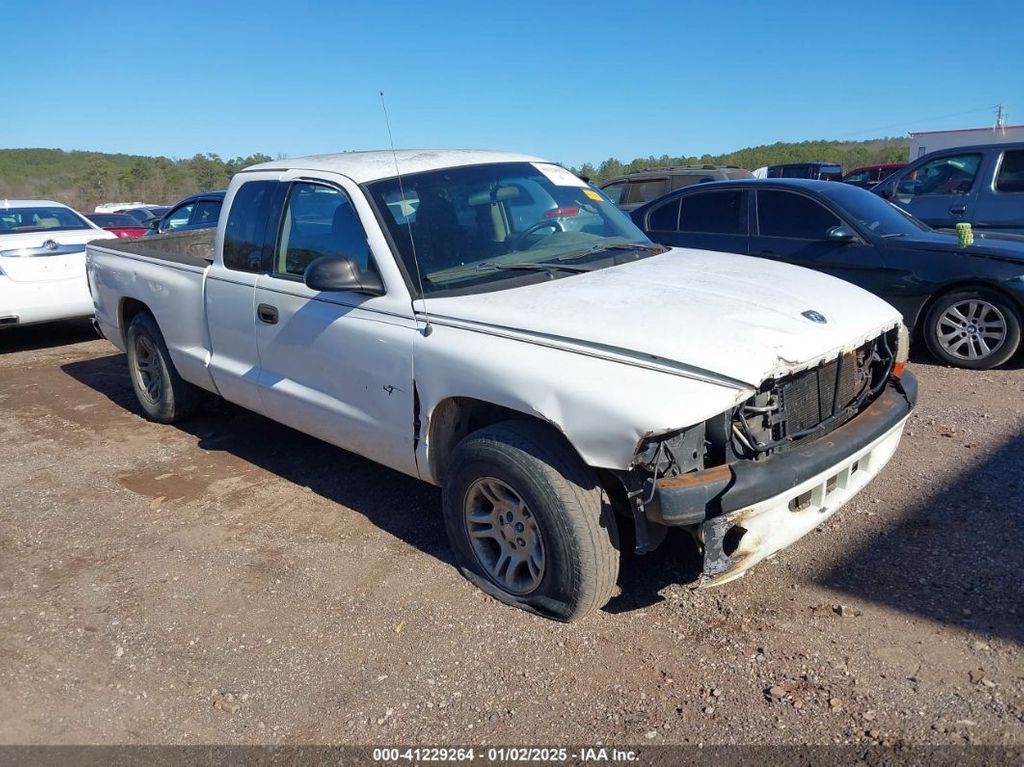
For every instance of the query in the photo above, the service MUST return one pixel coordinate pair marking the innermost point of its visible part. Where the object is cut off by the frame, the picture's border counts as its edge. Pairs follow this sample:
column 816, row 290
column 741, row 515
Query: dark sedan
column 197, row 211
column 966, row 302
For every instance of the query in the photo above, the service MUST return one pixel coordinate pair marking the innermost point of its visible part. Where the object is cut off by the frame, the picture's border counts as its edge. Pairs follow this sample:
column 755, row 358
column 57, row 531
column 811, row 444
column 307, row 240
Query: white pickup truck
column 494, row 325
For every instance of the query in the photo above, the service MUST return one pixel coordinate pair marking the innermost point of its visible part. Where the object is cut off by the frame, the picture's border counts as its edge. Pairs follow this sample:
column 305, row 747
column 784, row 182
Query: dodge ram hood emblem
column 814, row 316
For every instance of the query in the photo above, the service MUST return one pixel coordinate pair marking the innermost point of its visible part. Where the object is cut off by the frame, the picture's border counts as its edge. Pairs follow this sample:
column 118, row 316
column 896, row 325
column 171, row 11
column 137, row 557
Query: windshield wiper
column 651, row 248
column 533, row 266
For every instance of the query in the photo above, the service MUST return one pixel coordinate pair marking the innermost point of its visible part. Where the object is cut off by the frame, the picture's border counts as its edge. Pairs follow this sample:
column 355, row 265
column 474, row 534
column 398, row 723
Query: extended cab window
column 714, row 213
column 945, row 175
column 246, row 226
column 1011, row 173
column 785, row 214
column 319, row 221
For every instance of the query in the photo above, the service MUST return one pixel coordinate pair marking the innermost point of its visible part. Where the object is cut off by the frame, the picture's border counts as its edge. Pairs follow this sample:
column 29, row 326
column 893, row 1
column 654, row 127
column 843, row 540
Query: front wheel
column 529, row 523
column 977, row 329
column 164, row 395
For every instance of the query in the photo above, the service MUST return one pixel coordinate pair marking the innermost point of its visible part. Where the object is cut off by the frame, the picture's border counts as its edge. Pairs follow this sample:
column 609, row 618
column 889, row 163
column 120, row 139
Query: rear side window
column 1011, row 173
column 665, row 217
column 679, row 182
column 247, row 222
column 714, row 213
column 784, row 214
column 648, row 189
column 207, row 213
column 614, row 191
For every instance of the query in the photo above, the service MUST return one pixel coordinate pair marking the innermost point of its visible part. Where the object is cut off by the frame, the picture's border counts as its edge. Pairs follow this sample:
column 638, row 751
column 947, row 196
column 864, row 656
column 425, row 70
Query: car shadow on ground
column 46, row 335
column 399, row 505
column 957, row 557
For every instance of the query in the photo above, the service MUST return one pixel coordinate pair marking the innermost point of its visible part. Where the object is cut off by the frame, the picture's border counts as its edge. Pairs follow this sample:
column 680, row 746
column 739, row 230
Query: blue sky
column 573, row 82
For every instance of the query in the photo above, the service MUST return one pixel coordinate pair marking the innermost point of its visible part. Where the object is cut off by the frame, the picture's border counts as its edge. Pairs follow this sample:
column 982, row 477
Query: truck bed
column 193, row 248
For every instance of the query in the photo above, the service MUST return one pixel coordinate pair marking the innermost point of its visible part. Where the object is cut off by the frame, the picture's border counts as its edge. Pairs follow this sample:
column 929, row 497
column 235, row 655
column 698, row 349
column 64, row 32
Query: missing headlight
column 669, row 455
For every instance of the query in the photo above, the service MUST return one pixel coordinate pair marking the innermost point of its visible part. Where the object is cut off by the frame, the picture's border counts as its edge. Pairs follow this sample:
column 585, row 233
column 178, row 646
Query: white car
column 492, row 324
column 42, row 262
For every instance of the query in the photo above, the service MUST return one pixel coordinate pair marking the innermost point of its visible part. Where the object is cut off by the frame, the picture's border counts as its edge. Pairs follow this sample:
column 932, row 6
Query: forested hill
column 84, row 179
column 849, row 154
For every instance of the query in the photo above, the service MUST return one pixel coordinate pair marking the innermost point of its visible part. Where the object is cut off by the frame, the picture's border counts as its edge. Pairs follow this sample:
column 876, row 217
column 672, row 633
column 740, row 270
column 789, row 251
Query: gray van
column 983, row 185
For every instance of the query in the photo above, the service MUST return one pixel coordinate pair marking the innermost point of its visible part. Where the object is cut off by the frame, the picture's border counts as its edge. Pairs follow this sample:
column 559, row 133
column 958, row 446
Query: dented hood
column 697, row 312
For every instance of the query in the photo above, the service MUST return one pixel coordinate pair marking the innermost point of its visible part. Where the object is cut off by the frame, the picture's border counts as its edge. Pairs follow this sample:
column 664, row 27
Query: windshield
column 468, row 225
column 873, row 213
column 42, row 219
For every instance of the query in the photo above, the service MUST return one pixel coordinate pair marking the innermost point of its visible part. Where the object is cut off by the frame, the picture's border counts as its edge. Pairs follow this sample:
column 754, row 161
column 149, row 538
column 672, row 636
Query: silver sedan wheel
column 504, row 535
column 971, row 330
column 149, row 370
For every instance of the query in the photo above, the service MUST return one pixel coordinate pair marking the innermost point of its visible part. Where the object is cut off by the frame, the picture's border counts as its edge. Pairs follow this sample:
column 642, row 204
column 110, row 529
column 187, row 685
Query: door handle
column 957, row 210
column 267, row 313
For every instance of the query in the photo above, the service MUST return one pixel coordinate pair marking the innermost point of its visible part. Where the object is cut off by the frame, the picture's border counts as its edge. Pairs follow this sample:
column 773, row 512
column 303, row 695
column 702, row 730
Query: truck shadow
column 399, row 505
column 957, row 556
column 46, row 335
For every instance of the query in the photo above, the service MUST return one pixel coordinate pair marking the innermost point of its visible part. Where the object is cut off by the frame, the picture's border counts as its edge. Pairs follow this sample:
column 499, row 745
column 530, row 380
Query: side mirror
column 336, row 273
column 840, row 235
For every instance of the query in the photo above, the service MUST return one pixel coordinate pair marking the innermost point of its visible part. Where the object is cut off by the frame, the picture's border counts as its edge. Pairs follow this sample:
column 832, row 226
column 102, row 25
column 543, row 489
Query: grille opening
column 801, row 502
column 855, row 468
column 732, row 539
column 831, row 484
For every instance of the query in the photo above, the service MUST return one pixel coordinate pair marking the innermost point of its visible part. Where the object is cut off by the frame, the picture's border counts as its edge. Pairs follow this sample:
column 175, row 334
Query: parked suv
column 634, row 189
column 823, row 171
column 983, row 185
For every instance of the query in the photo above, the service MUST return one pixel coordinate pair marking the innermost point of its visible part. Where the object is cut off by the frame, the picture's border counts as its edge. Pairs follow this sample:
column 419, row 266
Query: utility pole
column 1000, row 118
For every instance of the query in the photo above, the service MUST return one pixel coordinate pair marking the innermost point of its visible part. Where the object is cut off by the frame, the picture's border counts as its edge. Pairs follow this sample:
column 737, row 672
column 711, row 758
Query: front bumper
column 749, row 510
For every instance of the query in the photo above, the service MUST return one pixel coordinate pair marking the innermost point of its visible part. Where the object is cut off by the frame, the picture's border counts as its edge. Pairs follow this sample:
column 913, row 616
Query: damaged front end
column 756, row 478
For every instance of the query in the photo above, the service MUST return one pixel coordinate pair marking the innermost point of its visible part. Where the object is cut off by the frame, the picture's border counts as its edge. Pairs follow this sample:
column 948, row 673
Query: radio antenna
column 427, row 329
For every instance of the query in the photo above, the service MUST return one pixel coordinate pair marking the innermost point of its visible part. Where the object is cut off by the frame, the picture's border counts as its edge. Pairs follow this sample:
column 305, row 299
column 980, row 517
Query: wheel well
column 129, row 308
column 957, row 286
column 456, row 417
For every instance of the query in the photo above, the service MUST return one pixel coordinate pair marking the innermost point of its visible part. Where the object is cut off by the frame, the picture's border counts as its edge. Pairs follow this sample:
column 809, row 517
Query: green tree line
column 849, row 154
column 85, row 179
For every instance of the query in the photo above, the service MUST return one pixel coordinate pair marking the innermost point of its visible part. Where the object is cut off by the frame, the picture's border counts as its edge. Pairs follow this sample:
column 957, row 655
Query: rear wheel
column 977, row 329
column 164, row 395
column 529, row 523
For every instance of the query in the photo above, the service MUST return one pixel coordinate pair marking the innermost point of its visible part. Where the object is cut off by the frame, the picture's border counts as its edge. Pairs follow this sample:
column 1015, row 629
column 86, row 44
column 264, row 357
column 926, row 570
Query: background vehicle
column 635, row 189
column 118, row 223
column 965, row 302
column 146, row 215
column 983, row 185
column 197, row 211
column 552, row 384
column 825, row 171
column 42, row 262
column 866, row 176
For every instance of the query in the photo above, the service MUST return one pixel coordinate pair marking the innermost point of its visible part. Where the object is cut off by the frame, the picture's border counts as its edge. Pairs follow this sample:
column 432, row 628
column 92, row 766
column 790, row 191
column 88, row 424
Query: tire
column 164, row 395
column 562, row 528
column 976, row 329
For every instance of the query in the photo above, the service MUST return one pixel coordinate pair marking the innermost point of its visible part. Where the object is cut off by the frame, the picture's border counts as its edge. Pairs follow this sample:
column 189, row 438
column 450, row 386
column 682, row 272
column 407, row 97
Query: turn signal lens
column 902, row 351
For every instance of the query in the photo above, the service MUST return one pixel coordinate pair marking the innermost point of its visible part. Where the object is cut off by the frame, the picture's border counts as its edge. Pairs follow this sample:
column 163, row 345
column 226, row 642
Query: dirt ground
column 233, row 581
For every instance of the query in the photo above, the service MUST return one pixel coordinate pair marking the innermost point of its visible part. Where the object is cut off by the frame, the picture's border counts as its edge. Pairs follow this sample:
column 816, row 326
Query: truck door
column 1000, row 205
column 230, row 292
column 941, row 191
column 337, row 365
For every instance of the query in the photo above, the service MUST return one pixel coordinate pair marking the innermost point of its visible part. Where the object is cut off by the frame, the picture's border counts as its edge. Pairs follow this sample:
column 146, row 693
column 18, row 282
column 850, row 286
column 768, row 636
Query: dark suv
column 635, row 189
